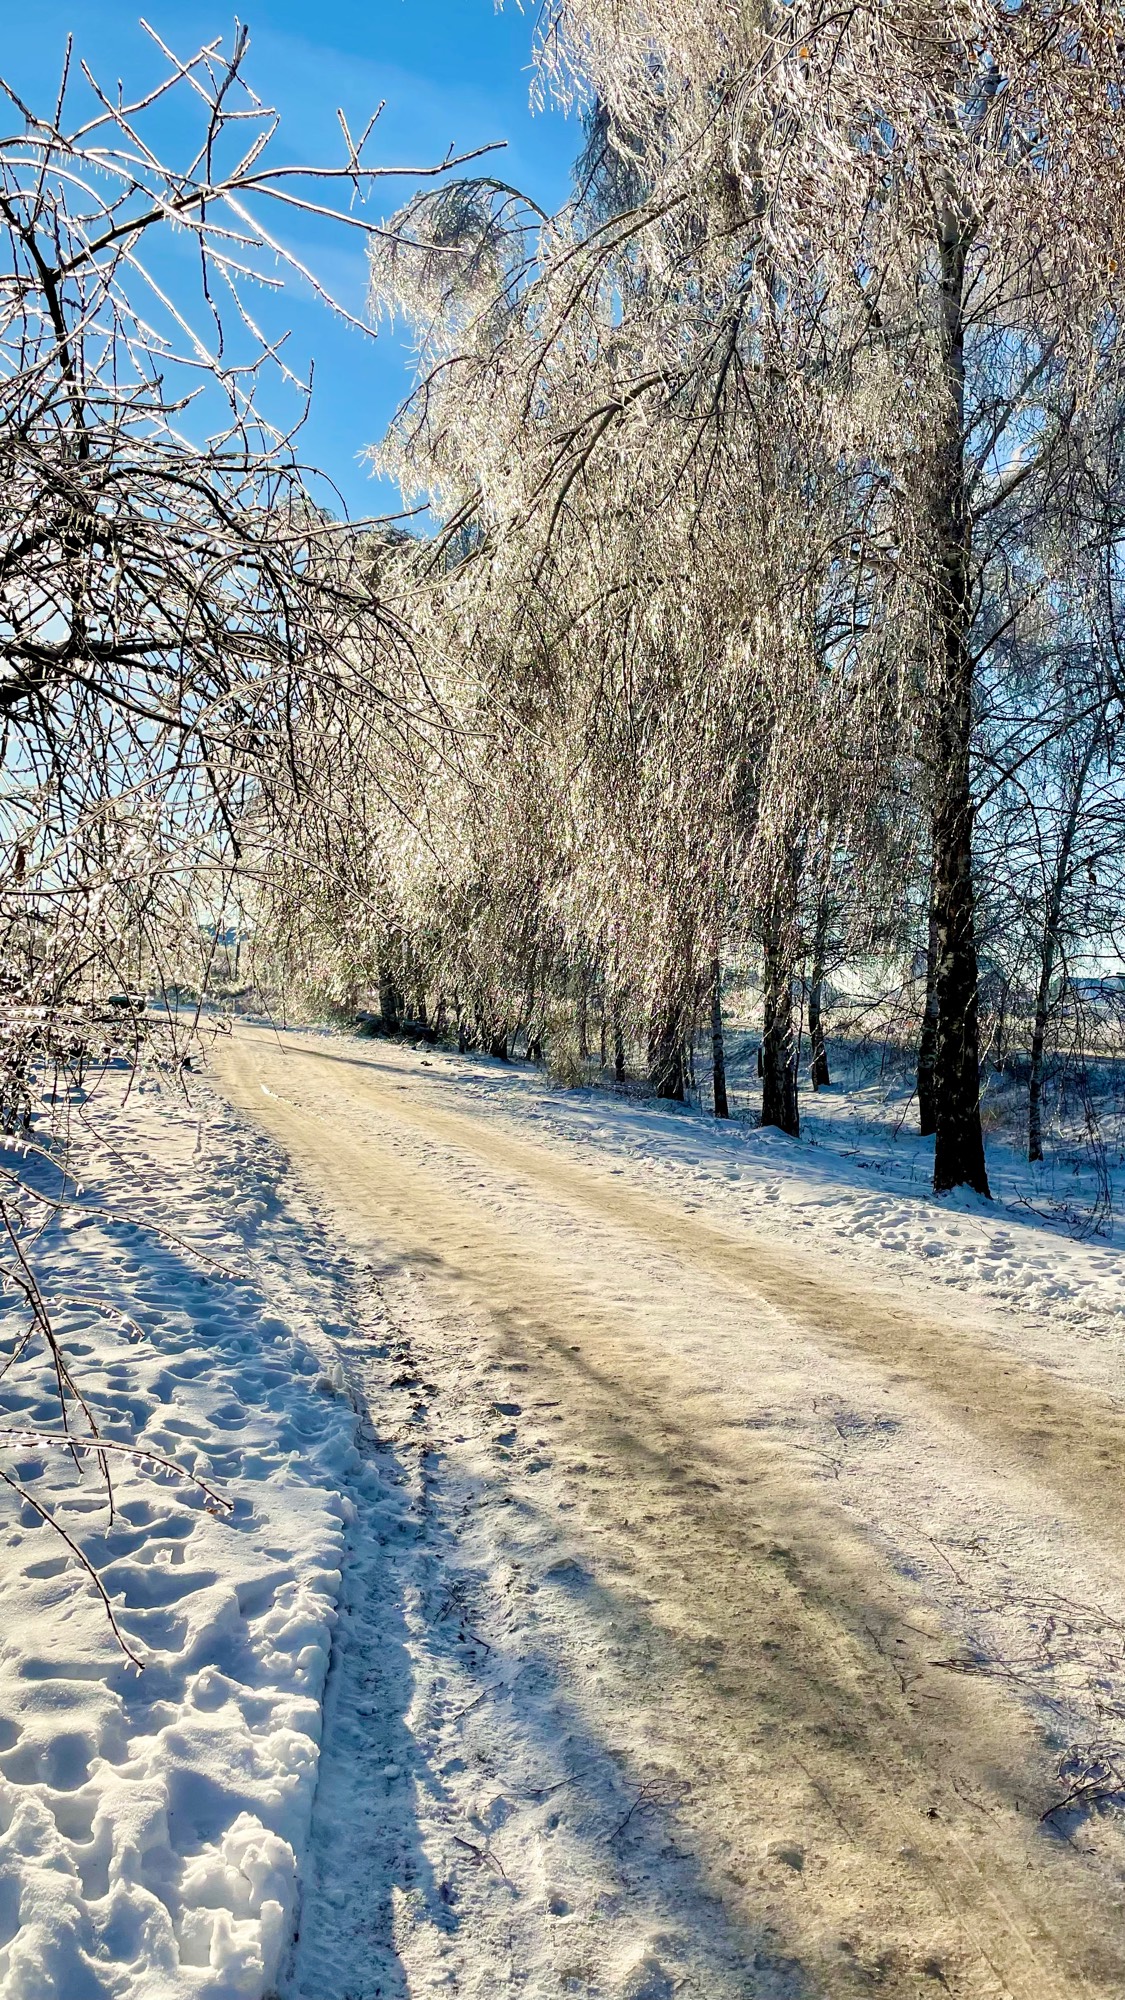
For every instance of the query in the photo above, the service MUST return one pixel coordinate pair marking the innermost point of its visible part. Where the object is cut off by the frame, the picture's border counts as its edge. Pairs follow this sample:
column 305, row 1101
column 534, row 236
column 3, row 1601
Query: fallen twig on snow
column 655, row 1793
column 482, row 1855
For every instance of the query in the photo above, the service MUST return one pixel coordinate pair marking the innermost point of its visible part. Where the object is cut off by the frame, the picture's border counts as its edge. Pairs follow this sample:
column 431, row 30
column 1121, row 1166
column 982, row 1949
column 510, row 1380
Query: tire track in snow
column 743, row 1625
column 1071, row 1434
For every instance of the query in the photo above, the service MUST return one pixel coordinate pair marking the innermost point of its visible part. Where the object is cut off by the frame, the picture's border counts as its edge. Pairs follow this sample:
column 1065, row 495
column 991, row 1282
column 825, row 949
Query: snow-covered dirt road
column 730, row 1609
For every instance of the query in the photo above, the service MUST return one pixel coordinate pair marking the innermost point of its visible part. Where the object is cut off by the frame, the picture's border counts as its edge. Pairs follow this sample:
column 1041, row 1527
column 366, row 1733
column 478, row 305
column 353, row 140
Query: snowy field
column 490, row 1790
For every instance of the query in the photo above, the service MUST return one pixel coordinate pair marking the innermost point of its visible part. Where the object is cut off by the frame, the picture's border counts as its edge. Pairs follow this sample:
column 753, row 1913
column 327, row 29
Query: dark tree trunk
column 819, row 1075
column 778, row 1051
column 958, row 1139
column 618, row 1049
column 390, row 1001
column 583, row 1019
column 666, row 1053
column 927, row 1040
column 1000, row 1031
column 1035, row 1080
column 718, row 1051
column 1048, row 953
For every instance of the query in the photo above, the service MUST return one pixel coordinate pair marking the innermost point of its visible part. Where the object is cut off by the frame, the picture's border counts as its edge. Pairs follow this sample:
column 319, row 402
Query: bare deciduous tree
column 170, row 587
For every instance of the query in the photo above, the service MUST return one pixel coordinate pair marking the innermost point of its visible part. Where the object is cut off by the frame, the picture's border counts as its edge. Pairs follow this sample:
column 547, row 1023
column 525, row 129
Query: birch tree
column 936, row 191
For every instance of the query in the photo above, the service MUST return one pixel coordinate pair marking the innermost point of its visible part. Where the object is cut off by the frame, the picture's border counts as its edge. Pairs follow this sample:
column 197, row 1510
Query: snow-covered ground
column 442, row 1380
column 859, row 1175
column 951, row 1509
column 152, row 1818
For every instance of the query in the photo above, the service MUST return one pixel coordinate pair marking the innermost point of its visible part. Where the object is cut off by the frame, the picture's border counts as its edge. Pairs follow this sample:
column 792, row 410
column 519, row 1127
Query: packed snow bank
column 152, row 1821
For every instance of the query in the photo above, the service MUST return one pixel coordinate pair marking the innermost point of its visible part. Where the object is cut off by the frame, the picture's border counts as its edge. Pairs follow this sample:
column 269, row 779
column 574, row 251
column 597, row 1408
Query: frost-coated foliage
column 779, row 494
column 172, row 598
column 768, row 606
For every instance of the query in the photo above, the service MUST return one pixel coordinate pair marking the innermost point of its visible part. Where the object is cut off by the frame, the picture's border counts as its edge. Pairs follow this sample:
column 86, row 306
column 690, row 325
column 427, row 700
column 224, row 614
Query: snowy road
column 743, row 1605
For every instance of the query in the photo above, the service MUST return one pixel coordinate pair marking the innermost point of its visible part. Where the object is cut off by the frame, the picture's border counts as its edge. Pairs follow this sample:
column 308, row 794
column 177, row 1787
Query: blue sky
column 452, row 72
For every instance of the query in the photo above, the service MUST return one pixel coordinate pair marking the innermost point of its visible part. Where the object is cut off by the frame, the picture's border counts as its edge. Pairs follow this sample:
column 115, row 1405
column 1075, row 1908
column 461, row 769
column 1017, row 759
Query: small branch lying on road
column 482, row 1855
column 656, row 1794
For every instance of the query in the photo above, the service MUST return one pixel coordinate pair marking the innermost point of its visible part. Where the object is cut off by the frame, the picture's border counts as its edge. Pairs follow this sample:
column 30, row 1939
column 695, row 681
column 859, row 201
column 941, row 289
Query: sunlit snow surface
column 155, row 1826
column 151, row 1821
column 859, row 1174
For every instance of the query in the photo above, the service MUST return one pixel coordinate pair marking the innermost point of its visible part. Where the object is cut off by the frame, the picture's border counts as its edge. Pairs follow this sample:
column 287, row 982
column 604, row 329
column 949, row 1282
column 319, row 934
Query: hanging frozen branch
column 173, row 595
column 168, row 584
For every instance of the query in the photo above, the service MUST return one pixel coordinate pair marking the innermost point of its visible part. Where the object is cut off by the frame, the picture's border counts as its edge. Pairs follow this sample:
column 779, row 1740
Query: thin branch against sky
column 449, row 73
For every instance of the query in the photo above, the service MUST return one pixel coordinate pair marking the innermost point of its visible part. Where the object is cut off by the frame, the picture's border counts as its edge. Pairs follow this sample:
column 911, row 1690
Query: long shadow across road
column 760, row 1634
